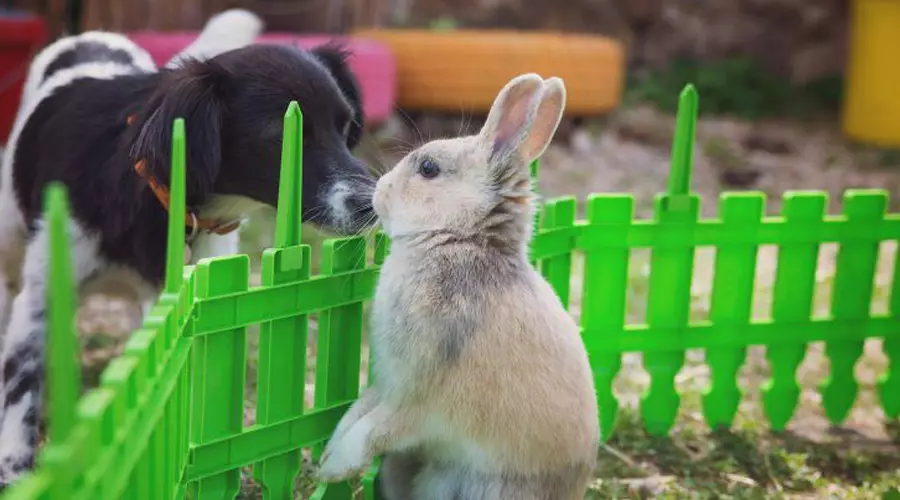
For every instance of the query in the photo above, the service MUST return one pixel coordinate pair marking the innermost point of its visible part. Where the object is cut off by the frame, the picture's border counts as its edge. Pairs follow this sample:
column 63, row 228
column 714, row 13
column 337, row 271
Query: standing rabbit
column 482, row 387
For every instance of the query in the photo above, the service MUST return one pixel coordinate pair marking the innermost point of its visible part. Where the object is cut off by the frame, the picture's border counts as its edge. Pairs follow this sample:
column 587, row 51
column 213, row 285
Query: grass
column 746, row 462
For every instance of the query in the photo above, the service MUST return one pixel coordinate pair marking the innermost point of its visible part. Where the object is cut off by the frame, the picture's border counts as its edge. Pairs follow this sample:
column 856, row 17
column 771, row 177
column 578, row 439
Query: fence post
column 62, row 359
column 682, row 159
column 671, row 270
column 282, row 343
column 175, row 244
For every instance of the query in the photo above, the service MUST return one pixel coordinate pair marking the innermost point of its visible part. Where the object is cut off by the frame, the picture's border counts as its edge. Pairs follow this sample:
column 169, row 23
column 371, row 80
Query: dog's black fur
column 233, row 106
column 74, row 128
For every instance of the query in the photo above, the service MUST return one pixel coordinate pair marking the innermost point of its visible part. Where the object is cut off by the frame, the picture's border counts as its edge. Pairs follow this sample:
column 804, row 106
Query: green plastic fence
column 167, row 418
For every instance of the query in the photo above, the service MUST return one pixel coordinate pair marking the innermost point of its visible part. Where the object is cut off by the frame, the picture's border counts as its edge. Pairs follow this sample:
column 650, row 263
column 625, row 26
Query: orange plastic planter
column 463, row 70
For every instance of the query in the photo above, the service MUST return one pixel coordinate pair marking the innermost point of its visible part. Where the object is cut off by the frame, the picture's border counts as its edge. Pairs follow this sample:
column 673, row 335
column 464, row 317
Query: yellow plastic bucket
column 872, row 97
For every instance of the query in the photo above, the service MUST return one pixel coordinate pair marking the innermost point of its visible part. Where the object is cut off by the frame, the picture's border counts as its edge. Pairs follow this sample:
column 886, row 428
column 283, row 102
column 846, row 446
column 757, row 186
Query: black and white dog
column 97, row 116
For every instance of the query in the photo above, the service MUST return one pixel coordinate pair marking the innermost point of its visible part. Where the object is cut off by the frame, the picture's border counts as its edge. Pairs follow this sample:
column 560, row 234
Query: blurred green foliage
column 444, row 24
column 739, row 87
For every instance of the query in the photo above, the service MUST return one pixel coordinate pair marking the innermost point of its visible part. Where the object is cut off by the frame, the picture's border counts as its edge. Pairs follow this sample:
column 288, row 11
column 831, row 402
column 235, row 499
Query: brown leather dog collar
column 191, row 219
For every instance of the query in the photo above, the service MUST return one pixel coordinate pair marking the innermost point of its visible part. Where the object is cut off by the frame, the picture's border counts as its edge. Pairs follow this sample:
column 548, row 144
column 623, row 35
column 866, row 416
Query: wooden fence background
column 319, row 16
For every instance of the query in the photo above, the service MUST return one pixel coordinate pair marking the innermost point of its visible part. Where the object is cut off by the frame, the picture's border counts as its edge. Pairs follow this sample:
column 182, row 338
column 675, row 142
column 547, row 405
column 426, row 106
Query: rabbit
column 481, row 386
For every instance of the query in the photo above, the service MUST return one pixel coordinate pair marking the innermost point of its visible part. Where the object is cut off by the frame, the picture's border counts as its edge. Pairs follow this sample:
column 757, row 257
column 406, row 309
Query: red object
column 21, row 35
column 371, row 62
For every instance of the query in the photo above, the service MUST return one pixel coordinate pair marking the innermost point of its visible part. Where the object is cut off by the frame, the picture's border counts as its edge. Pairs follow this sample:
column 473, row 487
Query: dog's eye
column 429, row 169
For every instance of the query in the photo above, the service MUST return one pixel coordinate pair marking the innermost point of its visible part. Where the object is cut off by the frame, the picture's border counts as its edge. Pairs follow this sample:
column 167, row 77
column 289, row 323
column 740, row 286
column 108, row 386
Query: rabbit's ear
column 512, row 116
column 546, row 119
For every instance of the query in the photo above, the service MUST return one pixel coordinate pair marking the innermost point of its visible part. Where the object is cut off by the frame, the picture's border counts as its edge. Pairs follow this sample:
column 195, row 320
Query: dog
column 97, row 117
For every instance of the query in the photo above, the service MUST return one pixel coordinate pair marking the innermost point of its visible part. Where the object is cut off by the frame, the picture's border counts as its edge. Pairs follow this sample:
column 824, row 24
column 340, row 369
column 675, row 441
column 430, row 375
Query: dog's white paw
column 347, row 456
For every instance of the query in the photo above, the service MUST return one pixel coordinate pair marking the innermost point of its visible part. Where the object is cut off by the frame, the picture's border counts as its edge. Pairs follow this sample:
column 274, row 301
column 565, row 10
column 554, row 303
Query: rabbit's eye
column 429, row 169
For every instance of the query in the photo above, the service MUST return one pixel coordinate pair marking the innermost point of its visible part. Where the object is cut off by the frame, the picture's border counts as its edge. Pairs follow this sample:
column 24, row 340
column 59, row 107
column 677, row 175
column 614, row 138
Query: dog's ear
column 334, row 56
column 192, row 93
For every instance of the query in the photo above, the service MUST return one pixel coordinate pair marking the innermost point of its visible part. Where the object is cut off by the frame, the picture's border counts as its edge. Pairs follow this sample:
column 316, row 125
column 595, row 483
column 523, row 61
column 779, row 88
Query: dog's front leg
column 23, row 359
column 382, row 429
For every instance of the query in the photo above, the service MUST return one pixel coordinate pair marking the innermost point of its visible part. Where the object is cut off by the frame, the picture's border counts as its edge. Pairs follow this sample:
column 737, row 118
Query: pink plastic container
column 372, row 63
column 21, row 35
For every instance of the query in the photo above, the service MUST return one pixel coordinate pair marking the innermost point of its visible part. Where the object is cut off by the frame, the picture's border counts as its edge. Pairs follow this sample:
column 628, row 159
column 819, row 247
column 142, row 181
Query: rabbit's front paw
column 347, row 456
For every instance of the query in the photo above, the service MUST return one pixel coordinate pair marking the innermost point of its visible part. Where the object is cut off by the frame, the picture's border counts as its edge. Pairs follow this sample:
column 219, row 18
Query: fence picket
column 603, row 300
column 143, row 346
column 557, row 270
column 340, row 329
column 138, row 486
column 339, row 352
column 282, row 376
column 795, row 279
column 730, row 305
column 219, row 365
column 889, row 383
column 93, row 408
column 668, row 306
column 852, row 296
column 118, row 378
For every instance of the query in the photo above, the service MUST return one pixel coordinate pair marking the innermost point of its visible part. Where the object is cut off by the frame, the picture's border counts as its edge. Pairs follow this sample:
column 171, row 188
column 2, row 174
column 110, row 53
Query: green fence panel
column 167, row 418
column 731, row 304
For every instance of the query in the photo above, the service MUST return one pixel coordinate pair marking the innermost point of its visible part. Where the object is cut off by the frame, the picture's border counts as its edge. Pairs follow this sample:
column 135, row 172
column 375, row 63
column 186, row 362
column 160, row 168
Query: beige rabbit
column 482, row 387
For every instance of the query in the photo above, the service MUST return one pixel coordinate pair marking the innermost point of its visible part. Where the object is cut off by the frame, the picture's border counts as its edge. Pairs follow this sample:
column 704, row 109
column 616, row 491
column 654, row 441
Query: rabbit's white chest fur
column 397, row 353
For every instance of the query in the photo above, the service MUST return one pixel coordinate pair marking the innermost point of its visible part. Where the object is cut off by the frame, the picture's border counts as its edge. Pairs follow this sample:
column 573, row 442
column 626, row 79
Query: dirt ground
column 629, row 152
